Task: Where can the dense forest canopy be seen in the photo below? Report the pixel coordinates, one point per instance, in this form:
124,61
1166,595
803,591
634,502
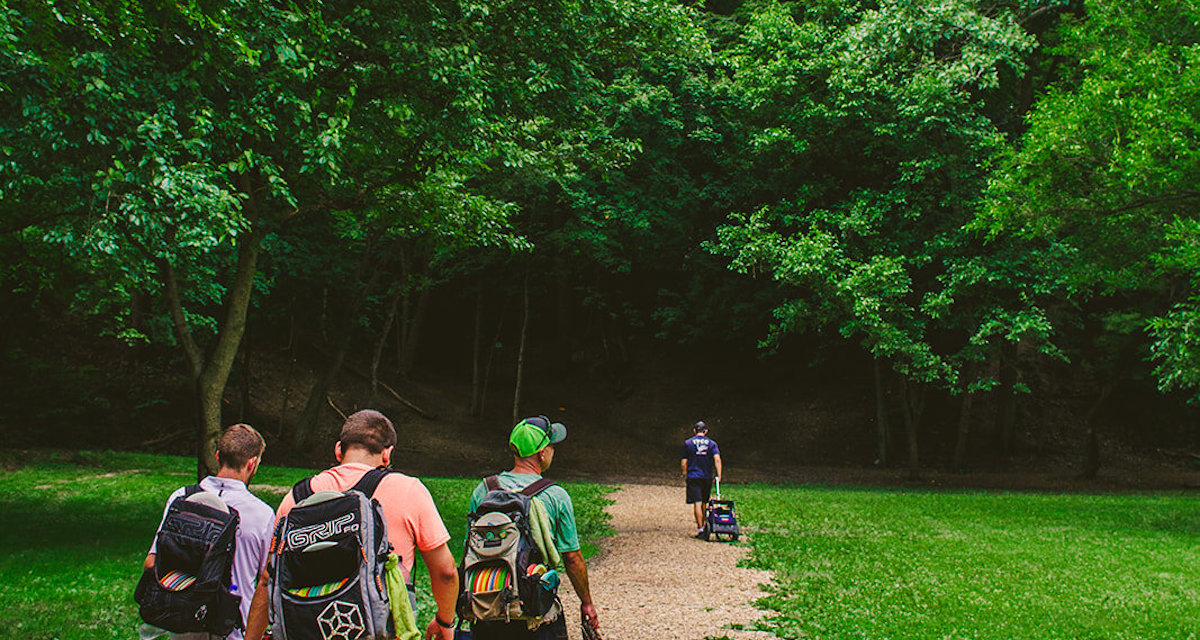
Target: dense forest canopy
978,201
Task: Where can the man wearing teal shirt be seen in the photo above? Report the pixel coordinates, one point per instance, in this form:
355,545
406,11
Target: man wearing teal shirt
532,444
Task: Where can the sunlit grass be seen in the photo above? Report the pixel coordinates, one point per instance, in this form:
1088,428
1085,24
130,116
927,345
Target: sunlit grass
76,527
875,564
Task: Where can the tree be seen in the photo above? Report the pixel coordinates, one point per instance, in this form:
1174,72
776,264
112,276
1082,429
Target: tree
166,140
872,127
1109,168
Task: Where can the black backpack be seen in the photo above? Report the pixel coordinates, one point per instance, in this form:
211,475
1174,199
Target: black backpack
503,576
327,565
189,588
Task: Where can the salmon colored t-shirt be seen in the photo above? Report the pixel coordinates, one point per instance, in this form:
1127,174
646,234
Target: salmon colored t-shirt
413,521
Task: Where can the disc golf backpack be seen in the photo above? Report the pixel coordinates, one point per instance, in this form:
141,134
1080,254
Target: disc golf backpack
190,587
327,565
503,575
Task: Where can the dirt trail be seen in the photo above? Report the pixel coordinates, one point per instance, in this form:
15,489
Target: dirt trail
654,580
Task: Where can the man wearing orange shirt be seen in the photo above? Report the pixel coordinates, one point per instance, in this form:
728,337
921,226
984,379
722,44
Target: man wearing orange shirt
368,440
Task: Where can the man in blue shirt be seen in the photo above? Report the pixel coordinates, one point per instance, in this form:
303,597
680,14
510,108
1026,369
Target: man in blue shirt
701,462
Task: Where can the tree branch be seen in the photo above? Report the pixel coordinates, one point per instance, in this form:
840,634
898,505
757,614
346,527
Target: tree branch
179,318
1130,206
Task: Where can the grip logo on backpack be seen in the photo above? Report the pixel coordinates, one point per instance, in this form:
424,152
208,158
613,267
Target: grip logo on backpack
189,588
322,531
327,566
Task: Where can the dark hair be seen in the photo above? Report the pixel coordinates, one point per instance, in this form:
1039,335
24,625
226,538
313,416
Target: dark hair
699,426
238,444
368,429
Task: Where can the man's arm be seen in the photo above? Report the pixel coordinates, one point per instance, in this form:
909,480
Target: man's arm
717,463
683,466
256,618
577,572
443,581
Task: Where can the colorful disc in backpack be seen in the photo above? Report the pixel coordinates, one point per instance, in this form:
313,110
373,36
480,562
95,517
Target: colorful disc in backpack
319,590
489,579
177,580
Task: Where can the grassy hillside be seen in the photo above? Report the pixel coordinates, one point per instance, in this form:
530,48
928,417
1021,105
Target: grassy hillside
77,527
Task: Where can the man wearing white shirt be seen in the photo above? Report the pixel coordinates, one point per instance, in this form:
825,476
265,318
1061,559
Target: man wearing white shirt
239,452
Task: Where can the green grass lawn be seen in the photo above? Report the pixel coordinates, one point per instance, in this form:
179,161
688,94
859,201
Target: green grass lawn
898,565
75,528
862,564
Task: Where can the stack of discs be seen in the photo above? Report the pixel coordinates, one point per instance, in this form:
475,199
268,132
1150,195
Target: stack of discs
319,590
489,579
177,580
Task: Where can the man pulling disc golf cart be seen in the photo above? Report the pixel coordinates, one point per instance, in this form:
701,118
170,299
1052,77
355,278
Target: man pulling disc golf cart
720,519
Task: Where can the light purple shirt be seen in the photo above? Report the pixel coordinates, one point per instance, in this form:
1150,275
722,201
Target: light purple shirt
255,526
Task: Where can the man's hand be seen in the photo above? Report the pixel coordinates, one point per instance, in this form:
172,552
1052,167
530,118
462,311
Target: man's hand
588,613
436,631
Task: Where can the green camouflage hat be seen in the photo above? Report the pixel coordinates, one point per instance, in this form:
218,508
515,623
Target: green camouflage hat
531,435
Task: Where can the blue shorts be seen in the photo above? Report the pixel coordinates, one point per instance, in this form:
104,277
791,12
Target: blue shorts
699,490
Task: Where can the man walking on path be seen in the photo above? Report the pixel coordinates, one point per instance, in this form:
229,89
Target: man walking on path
367,442
239,451
532,444
700,462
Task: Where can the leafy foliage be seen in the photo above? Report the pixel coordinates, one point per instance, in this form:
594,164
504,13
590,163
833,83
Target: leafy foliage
1108,169
879,115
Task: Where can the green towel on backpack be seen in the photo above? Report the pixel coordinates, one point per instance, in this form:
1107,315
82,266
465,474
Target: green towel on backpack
402,613
543,537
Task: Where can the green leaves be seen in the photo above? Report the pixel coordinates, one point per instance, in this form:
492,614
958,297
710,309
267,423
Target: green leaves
1109,168
875,120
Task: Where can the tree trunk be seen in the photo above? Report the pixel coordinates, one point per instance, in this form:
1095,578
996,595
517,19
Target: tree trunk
411,330
563,318
964,428
492,348
244,400
287,379
516,408
345,330
913,405
476,356
319,392
377,357
1091,462
1008,399
210,374
881,423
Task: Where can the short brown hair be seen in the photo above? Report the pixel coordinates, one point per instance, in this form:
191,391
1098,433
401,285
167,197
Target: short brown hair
238,444
368,429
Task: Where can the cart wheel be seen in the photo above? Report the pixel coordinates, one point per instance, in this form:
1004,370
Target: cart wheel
735,537
706,535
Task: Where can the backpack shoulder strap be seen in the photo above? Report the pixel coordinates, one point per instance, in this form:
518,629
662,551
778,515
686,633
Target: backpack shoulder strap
302,490
492,483
537,486
370,480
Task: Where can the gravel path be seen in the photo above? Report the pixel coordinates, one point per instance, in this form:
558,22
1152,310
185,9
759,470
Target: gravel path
653,580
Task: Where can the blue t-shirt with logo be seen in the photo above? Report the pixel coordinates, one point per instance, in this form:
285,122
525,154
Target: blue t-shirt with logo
699,451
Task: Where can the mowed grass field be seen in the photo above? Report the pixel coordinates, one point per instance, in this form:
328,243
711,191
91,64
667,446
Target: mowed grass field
849,563
75,528
901,565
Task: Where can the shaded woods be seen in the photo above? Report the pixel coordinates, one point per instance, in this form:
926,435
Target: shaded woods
979,218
